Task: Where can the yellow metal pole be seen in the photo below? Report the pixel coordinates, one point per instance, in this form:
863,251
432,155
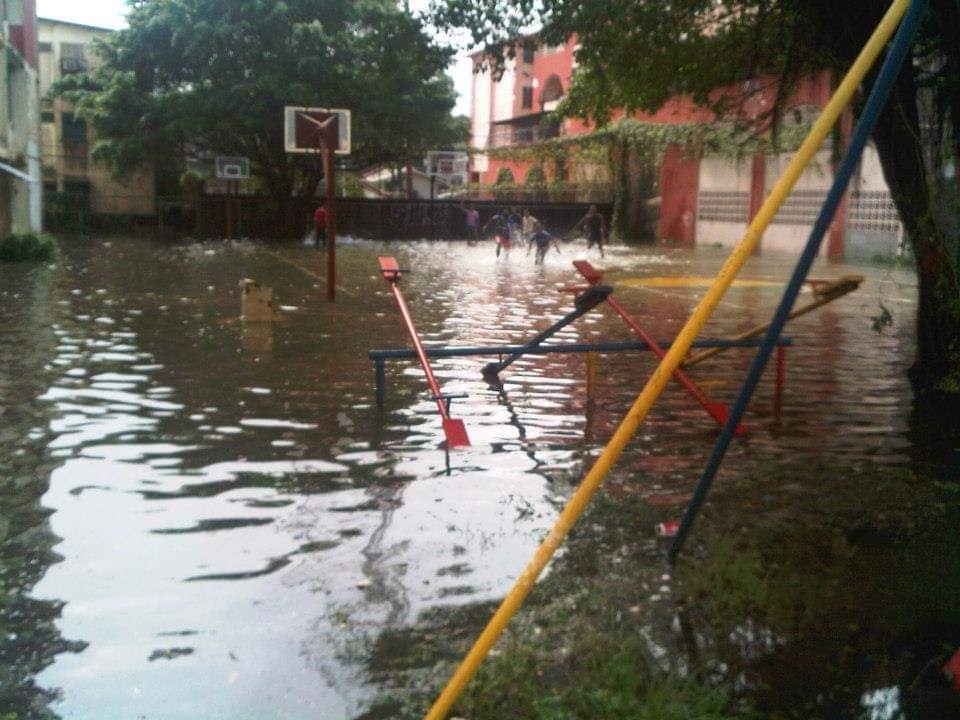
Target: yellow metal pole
662,375
592,376
847,285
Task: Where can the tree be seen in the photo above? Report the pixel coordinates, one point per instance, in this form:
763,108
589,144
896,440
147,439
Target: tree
213,76
636,54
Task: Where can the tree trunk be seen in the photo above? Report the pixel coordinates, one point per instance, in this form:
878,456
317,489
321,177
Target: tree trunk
938,311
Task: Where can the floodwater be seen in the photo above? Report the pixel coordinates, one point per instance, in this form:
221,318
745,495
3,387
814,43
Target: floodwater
201,518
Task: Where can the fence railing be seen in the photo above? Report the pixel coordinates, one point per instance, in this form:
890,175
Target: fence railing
261,217
511,135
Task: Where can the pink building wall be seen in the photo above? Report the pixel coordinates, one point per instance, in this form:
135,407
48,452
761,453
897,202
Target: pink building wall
24,37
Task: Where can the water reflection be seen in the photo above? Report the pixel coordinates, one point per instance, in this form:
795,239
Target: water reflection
238,519
29,636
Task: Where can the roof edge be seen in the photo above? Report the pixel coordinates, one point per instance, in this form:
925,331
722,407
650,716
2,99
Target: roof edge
55,21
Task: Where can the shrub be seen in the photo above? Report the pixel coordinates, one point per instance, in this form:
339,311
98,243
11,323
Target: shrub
504,176
22,248
536,177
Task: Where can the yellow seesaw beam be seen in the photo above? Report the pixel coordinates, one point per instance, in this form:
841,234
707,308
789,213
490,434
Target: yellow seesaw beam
661,376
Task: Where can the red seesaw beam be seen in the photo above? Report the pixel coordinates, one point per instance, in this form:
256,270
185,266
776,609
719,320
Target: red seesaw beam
454,429
718,411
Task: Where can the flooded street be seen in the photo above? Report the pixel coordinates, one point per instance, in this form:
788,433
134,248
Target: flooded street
207,519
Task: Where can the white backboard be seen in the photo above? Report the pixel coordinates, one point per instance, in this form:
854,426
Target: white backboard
232,168
300,132
451,166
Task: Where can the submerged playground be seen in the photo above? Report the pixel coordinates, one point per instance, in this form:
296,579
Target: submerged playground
437,479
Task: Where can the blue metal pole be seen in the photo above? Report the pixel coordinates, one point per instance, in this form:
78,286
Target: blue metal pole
896,56
566,348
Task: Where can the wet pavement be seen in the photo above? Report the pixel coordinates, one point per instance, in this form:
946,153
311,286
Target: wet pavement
204,518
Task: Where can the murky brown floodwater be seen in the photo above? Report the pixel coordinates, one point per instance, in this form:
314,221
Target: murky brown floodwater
207,520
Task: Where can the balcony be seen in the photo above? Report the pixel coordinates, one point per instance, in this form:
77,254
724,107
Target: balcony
527,130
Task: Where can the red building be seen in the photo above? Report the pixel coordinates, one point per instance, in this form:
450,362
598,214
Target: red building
702,199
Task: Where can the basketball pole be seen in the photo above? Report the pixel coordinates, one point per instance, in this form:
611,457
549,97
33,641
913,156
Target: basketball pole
327,138
328,170
228,211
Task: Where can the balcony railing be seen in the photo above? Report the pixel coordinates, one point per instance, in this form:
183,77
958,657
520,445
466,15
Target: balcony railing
513,134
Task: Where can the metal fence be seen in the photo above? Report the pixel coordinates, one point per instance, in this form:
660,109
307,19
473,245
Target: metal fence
375,218
261,217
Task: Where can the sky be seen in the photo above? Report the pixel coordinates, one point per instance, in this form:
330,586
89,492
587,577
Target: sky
110,14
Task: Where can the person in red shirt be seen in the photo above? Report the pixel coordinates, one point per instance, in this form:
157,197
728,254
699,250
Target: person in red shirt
320,226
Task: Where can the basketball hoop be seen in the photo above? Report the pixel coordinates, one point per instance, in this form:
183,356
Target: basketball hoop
322,132
232,168
300,128
448,166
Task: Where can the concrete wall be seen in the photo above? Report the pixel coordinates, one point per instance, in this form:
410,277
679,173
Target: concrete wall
866,225
480,109
872,222
19,119
504,93
69,165
723,205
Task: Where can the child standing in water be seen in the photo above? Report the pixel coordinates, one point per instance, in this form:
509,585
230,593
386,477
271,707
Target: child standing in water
514,224
500,224
542,239
595,228
529,226
473,223
320,226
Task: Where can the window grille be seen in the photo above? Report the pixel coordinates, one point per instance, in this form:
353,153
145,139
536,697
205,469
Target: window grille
723,206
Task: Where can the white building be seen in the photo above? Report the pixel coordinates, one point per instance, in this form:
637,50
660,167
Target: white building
20,188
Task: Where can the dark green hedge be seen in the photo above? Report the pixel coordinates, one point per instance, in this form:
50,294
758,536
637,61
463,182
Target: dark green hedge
22,248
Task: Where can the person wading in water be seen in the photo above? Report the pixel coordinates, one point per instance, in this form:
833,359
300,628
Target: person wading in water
320,226
594,227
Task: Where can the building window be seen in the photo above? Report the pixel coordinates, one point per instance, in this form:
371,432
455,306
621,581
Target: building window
527,99
47,117
45,47
73,58
74,130
528,52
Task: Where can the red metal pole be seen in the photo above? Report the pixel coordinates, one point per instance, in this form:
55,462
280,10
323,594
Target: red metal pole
454,429
329,170
718,411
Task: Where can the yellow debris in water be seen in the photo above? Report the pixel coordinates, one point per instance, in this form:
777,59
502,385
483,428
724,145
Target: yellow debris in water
692,282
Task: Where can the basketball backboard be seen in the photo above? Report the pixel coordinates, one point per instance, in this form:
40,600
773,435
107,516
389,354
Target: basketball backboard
300,129
232,168
448,165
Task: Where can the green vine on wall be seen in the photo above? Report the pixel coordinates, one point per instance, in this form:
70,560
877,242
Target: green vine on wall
719,139
629,145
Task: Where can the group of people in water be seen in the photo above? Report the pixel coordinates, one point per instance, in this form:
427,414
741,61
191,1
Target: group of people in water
513,226
507,227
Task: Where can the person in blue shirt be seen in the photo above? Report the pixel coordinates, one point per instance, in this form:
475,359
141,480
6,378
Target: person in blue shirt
541,239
